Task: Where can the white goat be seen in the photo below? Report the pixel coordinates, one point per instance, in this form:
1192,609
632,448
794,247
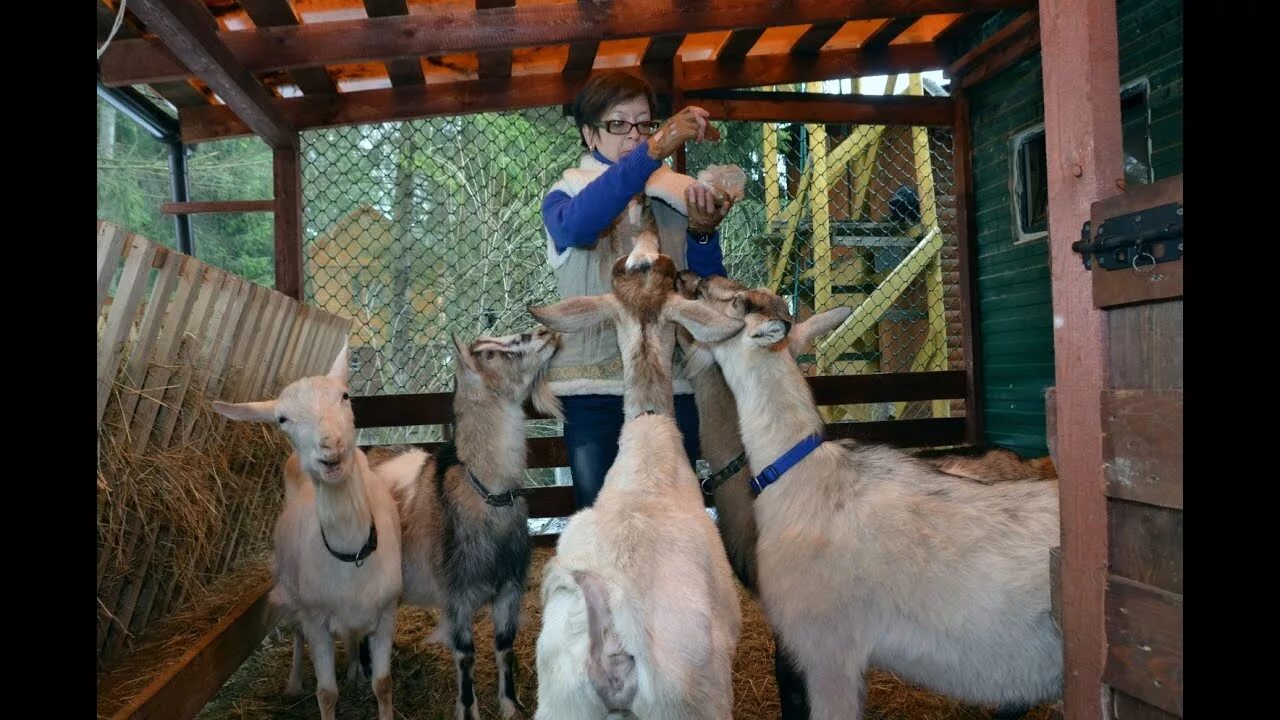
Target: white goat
867,556
639,592
337,539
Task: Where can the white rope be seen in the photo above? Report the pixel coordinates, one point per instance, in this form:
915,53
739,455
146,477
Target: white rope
114,28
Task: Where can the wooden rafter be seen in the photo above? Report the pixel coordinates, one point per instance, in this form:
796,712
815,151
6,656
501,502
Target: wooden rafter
186,28
405,71
738,44
1010,44
452,30
817,108
494,63
212,122
313,80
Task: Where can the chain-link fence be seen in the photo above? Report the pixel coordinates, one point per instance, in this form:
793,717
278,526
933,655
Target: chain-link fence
426,228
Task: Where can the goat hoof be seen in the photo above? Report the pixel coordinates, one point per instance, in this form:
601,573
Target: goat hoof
461,712
293,689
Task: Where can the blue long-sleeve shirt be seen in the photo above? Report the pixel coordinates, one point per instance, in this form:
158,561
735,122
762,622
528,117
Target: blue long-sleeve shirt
577,221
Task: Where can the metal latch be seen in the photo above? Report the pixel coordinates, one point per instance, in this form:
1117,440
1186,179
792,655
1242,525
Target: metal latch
1138,240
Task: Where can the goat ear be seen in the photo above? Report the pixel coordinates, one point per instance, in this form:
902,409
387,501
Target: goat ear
341,364
703,323
576,313
262,411
803,335
462,354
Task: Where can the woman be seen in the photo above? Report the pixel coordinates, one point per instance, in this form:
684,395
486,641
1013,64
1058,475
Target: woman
591,220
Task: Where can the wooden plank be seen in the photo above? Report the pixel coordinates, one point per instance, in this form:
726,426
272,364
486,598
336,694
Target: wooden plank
955,35
1142,445
761,70
1144,636
1127,707
494,63
817,108
404,71
1000,60
120,318
216,349
815,37
1055,586
445,30
136,369
888,31
161,365
192,681
241,339
980,58
738,44
967,252
472,96
271,383
130,590
209,307
924,432
287,180
582,56
437,408
1081,81
1113,288
1145,544
260,356
183,26
291,368
1151,355
662,49
274,13
110,244
220,206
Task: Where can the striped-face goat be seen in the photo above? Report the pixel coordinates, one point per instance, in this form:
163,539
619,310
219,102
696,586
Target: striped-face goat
640,593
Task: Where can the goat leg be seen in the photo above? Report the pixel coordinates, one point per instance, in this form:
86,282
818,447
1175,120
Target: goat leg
464,657
378,648
506,619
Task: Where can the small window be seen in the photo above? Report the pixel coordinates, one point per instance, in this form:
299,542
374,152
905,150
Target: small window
1135,124
1030,184
1030,163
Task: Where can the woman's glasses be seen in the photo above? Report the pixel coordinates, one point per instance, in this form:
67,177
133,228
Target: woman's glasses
622,127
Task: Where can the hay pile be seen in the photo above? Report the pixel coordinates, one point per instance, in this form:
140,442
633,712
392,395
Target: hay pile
167,640
174,518
424,682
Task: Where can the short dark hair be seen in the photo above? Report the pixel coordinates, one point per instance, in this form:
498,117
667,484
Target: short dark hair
604,90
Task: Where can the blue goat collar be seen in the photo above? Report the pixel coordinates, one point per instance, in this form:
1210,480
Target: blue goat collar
770,475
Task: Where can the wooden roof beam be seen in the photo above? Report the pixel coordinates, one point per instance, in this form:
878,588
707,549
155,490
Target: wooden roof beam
738,44
495,94
451,30
275,13
184,26
405,71
818,108
495,63
1012,43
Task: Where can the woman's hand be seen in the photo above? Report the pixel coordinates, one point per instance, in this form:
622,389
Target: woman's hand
704,214
688,124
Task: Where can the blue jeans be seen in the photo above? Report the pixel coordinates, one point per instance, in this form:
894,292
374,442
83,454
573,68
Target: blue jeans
592,424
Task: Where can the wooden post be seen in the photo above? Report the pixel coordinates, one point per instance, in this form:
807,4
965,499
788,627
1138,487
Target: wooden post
1080,53
967,246
288,189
